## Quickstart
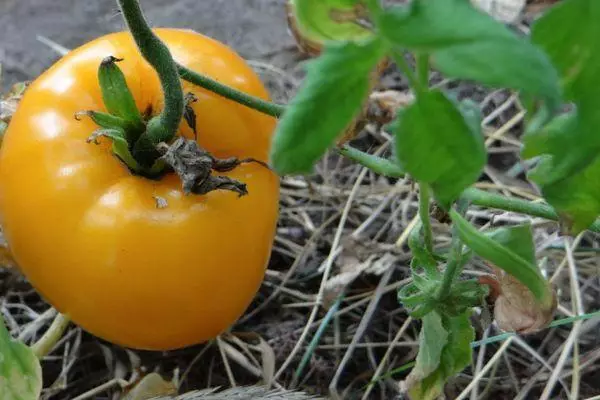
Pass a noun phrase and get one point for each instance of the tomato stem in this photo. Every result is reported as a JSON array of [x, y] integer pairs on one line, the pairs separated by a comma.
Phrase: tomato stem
[[163, 127], [473, 195], [424, 197], [266, 107]]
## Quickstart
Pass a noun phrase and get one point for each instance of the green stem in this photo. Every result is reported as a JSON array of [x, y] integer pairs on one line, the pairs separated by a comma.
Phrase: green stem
[[423, 69], [45, 344], [266, 107], [482, 198], [424, 196], [455, 260], [164, 126], [475, 196], [374, 163]]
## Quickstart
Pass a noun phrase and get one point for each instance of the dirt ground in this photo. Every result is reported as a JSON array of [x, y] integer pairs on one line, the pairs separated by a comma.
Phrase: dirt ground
[[255, 28]]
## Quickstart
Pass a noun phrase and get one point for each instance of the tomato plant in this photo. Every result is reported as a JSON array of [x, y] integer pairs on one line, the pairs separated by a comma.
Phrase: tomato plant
[[133, 259], [439, 143]]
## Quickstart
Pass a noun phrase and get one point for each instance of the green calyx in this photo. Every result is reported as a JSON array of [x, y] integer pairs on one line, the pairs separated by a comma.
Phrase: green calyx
[[134, 135]]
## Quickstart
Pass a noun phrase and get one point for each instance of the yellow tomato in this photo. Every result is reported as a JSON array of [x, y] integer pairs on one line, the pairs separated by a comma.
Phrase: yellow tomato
[[89, 235]]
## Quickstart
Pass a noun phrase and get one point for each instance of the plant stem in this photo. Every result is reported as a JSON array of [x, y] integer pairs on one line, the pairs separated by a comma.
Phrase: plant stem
[[266, 107], [377, 164], [483, 198], [423, 69], [45, 344], [475, 196], [164, 126], [455, 260], [424, 216]]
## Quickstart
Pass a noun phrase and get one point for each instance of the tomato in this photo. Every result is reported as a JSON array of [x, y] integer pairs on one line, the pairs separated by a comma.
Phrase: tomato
[[90, 236]]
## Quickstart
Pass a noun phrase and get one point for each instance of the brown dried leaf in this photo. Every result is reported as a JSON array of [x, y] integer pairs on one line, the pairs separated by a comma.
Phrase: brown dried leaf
[[357, 258], [515, 307], [150, 387], [255, 342], [238, 356], [6, 258], [384, 105]]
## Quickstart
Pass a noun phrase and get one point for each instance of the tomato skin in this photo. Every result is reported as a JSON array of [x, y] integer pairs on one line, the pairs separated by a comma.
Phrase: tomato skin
[[89, 235]]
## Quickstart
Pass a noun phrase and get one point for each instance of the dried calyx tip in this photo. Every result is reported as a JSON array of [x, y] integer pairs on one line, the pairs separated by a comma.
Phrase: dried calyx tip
[[194, 166]]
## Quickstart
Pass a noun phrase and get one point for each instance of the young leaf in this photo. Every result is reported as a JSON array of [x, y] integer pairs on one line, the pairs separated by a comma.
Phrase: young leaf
[[455, 356], [466, 43], [333, 92], [432, 339], [510, 249], [20, 370], [438, 146]]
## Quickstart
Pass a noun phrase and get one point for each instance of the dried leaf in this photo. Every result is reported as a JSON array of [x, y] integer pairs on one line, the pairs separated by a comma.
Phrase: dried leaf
[[6, 258], [515, 307], [150, 387], [255, 342], [384, 105], [356, 258], [240, 358], [10, 101]]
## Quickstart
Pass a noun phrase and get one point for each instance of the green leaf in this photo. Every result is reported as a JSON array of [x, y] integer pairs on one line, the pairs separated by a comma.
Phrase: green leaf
[[576, 198], [333, 92], [455, 356], [570, 34], [510, 249], [438, 144], [328, 20], [20, 370], [569, 168], [466, 43], [575, 50], [432, 339], [517, 239]]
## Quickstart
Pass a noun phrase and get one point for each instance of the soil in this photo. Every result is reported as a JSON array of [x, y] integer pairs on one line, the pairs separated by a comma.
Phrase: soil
[[255, 28]]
